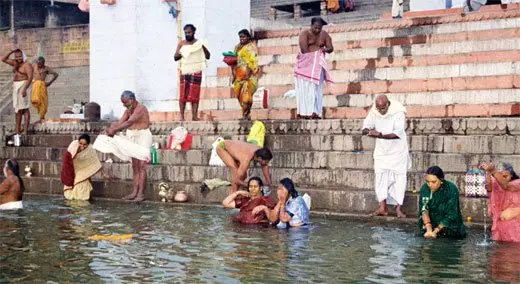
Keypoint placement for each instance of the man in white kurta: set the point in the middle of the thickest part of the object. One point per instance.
(386, 123)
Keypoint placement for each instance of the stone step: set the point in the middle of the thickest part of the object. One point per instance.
(474, 142)
(394, 62)
(343, 43)
(360, 179)
(359, 160)
(390, 74)
(441, 12)
(339, 200)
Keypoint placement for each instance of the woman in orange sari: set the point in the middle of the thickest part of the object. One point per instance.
(245, 74)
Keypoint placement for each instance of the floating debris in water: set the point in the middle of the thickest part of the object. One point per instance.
(110, 237)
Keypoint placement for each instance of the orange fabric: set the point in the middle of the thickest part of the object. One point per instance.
(333, 5)
(109, 2)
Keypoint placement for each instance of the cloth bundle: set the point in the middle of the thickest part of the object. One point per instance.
(476, 183)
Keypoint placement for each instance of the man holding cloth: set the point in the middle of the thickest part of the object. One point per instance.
(386, 123)
(311, 70)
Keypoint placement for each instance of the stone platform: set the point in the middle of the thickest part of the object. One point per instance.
(328, 159)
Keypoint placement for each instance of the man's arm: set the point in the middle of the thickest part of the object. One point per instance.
(114, 127)
(6, 59)
(206, 52)
(304, 43)
(54, 76)
(178, 55)
(241, 172)
(29, 71)
(329, 48)
(267, 175)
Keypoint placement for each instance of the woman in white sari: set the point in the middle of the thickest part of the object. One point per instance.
(80, 163)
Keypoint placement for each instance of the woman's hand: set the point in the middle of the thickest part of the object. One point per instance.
(258, 209)
(430, 235)
(488, 167)
(509, 214)
(243, 193)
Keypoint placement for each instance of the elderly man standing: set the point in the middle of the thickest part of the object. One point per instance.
(311, 70)
(39, 95)
(22, 79)
(136, 121)
(386, 123)
(192, 54)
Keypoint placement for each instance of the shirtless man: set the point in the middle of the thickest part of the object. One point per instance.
(39, 95)
(136, 121)
(11, 189)
(309, 95)
(237, 156)
(23, 76)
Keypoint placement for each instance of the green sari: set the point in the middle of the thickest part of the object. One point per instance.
(444, 209)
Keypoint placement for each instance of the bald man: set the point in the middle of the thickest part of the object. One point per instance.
(386, 122)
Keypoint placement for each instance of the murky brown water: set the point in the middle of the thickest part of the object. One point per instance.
(47, 243)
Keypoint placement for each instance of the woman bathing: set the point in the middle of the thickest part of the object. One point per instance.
(247, 201)
(11, 189)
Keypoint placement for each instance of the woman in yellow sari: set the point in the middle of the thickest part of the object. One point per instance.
(245, 74)
(80, 163)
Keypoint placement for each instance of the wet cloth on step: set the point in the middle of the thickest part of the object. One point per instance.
(215, 183)
(13, 205)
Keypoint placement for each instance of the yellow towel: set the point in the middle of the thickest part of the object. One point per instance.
(257, 134)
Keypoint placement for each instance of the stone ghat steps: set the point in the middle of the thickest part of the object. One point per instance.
(353, 179)
(324, 199)
(450, 162)
(487, 8)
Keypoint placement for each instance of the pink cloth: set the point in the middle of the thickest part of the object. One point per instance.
(309, 66)
(506, 231)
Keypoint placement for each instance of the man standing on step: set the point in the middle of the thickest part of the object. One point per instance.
(39, 95)
(136, 121)
(192, 54)
(311, 70)
(22, 78)
(386, 122)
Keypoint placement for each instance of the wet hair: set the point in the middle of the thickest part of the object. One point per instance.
(85, 137)
(505, 166)
(190, 26)
(12, 165)
(318, 20)
(436, 171)
(245, 32)
(289, 185)
(42, 59)
(18, 50)
(264, 154)
(260, 183)
(129, 95)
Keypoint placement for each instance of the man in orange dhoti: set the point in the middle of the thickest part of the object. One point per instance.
(39, 95)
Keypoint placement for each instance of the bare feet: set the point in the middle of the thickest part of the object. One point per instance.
(140, 197)
(380, 212)
(399, 213)
(130, 196)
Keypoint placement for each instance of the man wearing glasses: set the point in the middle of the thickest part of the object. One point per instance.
(386, 123)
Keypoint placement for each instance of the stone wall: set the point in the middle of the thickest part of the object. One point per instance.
(66, 49)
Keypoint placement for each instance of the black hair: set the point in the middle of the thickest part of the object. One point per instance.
(264, 154)
(289, 185)
(436, 171)
(12, 165)
(245, 32)
(192, 27)
(319, 20)
(260, 183)
(508, 167)
(86, 137)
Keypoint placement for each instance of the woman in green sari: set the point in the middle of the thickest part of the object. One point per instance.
(439, 208)
(245, 74)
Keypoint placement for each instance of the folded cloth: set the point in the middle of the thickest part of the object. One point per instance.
(193, 58)
(309, 67)
(19, 101)
(257, 134)
(13, 205)
(215, 160)
(136, 144)
(215, 183)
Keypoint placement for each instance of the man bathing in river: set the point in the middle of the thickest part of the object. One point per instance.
(237, 156)
(11, 189)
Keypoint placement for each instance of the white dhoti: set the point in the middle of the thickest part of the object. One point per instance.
(136, 144)
(13, 205)
(309, 96)
(19, 101)
(390, 186)
(397, 8)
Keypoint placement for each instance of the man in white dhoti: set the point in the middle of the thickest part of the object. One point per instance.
(311, 70)
(137, 143)
(397, 9)
(386, 123)
(22, 79)
(472, 6)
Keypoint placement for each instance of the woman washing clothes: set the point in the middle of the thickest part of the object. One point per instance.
(247, 201)
(290, 211)
(245, 74)
(439, 208)
(80, 163)
(11, 189)
(504, 203)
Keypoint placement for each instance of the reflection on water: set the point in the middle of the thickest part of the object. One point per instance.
(47, 242)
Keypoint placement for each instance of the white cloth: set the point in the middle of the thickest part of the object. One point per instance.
(398, 8)
(391, 156)
(136, 144)
(215, 159)
(14, 205)
(193, 58)
(309, 96)
(475, 5)
(19, 101)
